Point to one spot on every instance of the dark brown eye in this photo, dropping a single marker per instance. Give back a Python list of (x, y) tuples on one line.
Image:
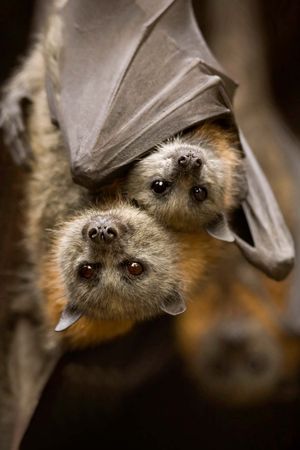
[(135, 268), (86, 271), (199, 193), (160, 186)]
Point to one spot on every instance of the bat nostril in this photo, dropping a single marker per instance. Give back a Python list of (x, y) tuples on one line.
[(93, 233), (190, 161), (198, 162), (101, 230), (111, 233), (183, 161)]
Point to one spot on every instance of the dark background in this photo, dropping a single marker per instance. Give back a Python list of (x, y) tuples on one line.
[(178, 420)]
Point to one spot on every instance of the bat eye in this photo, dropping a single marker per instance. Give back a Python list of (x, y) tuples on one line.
[(160, 186), (199, 193), (87, 271), (135, 268)]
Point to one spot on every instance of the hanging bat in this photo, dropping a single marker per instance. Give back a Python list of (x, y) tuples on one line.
[(101, 262), (234, 343), (160, 78), (192, 182), (107, 259)]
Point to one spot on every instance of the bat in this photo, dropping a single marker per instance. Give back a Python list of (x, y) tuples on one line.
[(235, 346), (108, 263), (192, 182)]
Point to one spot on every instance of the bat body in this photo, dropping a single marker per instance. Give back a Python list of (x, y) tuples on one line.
[(193, 181)]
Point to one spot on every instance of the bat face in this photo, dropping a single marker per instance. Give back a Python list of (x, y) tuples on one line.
[(235, 361), (239, 359), (187, 183), (234, 344), (118, 264)]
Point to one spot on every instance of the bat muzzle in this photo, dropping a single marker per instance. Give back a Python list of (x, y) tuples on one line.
[(103, 230), (189, 161)]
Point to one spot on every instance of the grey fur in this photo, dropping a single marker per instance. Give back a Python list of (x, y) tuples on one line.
[(113, 293), (177, 208)]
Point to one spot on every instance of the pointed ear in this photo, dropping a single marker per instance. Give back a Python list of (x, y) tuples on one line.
[(67, 319), (174, 304), (220, 229)]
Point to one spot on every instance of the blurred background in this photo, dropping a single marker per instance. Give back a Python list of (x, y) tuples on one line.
[(226, 374)]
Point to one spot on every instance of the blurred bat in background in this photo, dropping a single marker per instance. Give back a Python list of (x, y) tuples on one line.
[(241, 341), (234, 342)]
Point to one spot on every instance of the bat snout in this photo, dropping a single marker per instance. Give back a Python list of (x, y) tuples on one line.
[(189, 161), (102, 230)]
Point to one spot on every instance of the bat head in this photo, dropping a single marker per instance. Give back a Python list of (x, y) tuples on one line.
[(189, 182), (240, 362), (232, 339), (117, 264)]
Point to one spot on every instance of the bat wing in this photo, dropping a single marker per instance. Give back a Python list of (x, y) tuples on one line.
[(29, 365), (131, 74), (271, 247)]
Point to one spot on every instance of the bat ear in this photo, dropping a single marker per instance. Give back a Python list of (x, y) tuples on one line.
[(260, 231), (219, 229), (67, 319), (174, 304), (12, 122)]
